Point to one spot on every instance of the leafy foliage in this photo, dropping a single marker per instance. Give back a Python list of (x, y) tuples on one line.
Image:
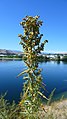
[(7, 110), (32, 46)]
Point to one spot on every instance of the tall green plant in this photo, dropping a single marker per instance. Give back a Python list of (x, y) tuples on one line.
[(32, 46)]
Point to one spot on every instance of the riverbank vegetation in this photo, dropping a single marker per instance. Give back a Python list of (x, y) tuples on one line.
[(10, 57), (55, 110)]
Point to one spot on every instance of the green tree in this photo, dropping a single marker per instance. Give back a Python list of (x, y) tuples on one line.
[(58, 57), (65, 58), (32, 46)]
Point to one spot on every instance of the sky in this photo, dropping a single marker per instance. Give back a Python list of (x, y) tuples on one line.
[(53, 13)]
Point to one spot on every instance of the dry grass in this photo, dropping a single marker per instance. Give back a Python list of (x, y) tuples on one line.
[(57, 110)]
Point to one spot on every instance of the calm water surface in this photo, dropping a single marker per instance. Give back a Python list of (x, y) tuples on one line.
[(54, 76)]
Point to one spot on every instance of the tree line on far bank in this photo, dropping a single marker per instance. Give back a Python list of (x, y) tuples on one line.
[(41, 58)]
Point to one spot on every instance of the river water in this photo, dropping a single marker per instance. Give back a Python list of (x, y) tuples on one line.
[(54, 76)]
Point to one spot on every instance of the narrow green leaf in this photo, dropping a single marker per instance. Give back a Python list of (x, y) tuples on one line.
[(43, 95), (25, 71)]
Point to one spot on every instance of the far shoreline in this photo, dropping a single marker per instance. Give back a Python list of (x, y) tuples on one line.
[(10, 58)]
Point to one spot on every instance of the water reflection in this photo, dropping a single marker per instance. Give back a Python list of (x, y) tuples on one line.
[(64, 62), (15, 59), (54, 75), (58, 62)]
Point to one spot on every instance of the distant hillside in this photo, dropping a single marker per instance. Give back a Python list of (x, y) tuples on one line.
[(14, 52), (9, 52)]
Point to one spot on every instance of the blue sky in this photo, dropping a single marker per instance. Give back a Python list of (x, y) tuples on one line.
[(52, 12)]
